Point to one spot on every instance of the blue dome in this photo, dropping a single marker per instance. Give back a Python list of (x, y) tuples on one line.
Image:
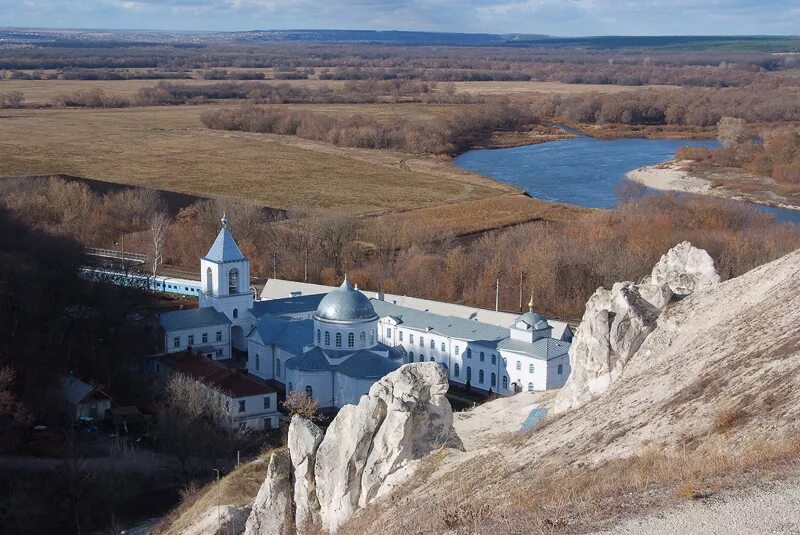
[(345, 304)]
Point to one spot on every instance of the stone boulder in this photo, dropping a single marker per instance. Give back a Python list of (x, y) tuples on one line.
[(304, 439), (372, 447), (228, 519), (617, 321), (685, 269), (272, 508)]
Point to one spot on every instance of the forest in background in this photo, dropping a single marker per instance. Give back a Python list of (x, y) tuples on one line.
[(559, 264)]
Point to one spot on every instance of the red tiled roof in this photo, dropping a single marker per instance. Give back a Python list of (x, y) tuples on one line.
[(217, 375)]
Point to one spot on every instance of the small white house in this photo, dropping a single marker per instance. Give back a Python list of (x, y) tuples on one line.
[(253, 404), (82, 400)]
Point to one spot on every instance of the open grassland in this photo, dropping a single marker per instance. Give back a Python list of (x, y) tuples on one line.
[(167, 148), (46, 91)]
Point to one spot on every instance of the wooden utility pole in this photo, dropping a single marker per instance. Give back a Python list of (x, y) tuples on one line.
[(274, 265), (521, 275), (305, 269), (497, 296)]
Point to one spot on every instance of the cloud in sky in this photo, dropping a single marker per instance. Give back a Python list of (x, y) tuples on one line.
[(555, 17)]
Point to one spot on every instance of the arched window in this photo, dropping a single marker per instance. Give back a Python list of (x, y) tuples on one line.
[(456, 370), (372, 338), (469, 353), (530, 387), (233, 281), (505, 382), (494, 359), (258, 362), (432, 359), (338, 339), (411, 357), (400, 335), (443, 349), (209, 280), (421, 341), (362, 338), (530, 368), (410, 338), (327, 338), (433, 344), (319, 336), (519, 365), (469, 373), (483, 357), (309, 391), (494, 380), (235, 313), (351, 339), (560, 369), (278, 368), (458, 350), (480, 376)]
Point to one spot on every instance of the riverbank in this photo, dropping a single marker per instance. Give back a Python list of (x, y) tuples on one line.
[(726, 183)]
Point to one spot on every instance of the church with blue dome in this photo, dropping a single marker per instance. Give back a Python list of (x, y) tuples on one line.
[(335, 343)]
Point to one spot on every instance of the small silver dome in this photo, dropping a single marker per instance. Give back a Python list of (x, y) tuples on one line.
[(345, 304), (536, 321)]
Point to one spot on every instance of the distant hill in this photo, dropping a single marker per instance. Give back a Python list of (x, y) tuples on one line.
[(118, 38)]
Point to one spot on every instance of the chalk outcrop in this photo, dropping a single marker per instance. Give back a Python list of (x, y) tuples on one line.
[(304, 440), (374, 446), (685, 269), (368, 450), (272, 508), (617, 321)]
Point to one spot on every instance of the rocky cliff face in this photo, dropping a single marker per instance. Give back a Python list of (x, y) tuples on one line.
[(368, 450), (617, 321)]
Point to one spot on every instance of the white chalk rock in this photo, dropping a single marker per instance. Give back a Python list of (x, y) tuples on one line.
[(304, 440), (272, 508), (373, 447), (685, 269), (617, 321)]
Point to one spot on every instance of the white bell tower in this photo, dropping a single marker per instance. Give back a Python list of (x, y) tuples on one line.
[(225, 280)]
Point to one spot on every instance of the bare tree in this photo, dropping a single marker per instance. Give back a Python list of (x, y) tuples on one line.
[(301, 404), (195, 421), (335, 229), (159, 226), (731, 132)]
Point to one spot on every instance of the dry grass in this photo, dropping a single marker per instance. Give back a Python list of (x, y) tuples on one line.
[(44, 91), (167, 148), (726, 419), (238, 488), (483, 496)]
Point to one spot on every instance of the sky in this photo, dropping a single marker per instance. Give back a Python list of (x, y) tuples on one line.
[(552, 17)]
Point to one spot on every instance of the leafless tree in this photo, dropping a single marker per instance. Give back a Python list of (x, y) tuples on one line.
[(301, 404), (159, 227), (731, 131)]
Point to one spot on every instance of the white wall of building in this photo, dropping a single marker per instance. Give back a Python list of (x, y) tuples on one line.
[(257, 409), (321, 384), (194, 338), (349, 389), (463, 357)]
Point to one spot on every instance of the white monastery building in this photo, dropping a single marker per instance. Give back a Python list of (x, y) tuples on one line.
[(334, 343)]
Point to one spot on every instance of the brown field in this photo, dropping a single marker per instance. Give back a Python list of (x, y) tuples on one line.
[(167, 148), (45, 91)]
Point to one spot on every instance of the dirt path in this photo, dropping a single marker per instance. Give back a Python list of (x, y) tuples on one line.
[(772, 508)]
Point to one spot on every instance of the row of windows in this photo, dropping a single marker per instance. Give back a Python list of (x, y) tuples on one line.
[(351, 339), (176, 341), (243, 405)]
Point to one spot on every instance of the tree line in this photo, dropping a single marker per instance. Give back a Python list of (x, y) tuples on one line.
[(561, 264), (450, 134)]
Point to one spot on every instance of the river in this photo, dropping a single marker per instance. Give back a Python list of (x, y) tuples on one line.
[(584, 171)]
